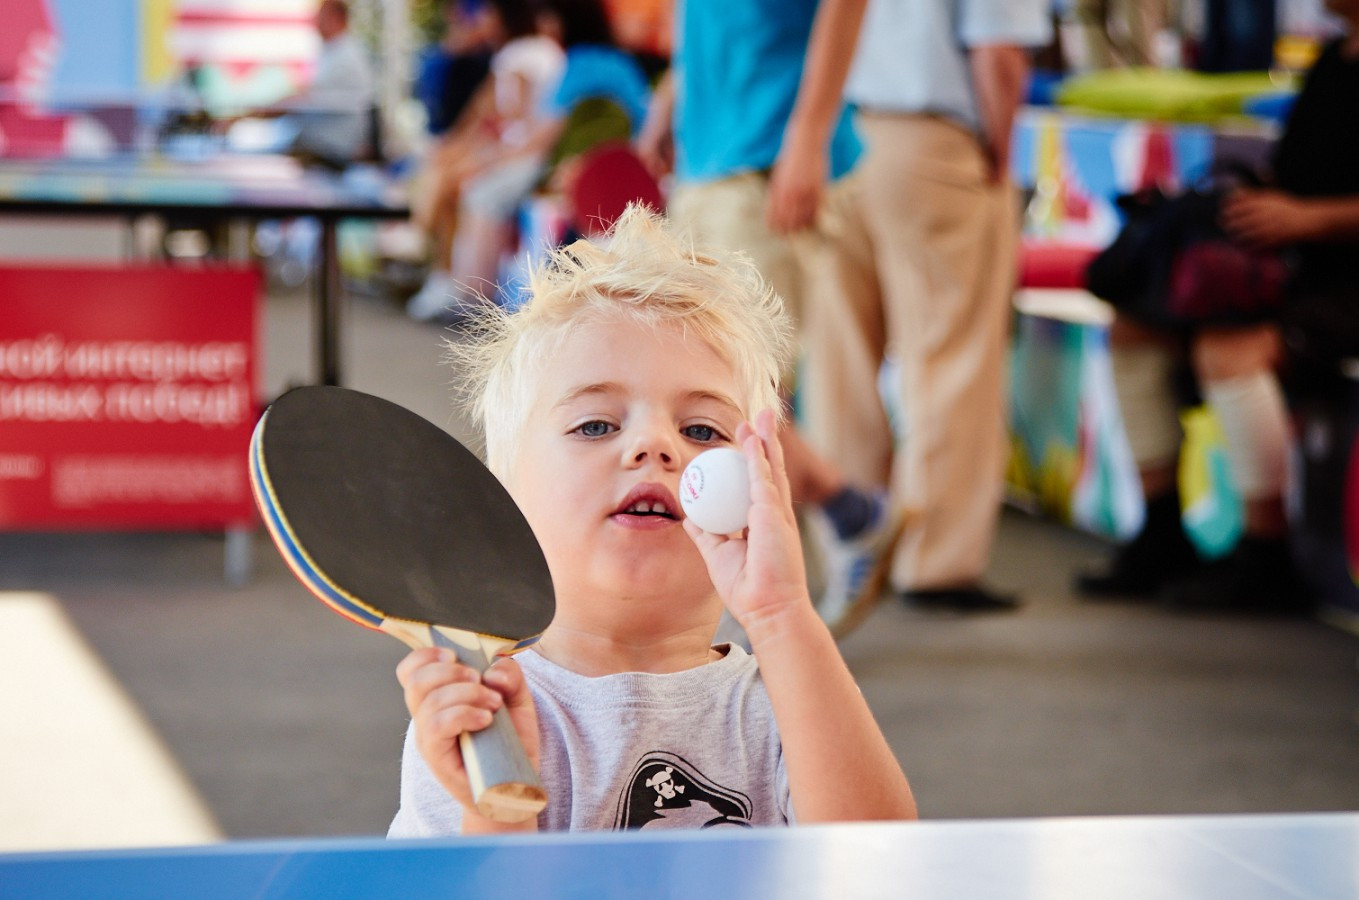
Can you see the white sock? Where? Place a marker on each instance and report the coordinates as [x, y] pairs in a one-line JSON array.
[[1147, 403], [1254, 420]]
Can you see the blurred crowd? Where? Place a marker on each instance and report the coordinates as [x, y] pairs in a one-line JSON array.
[[859, 152]]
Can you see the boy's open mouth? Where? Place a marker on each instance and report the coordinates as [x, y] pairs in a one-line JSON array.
[[649, 501], [642, 508]]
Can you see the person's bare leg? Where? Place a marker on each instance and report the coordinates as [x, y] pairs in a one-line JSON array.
[[1158, 479], [811, 477], [1144, 363], [444, 227], [1237, 371], [440, 218], [476, 253]]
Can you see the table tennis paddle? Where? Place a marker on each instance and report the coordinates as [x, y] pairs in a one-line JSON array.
[[395, 525]]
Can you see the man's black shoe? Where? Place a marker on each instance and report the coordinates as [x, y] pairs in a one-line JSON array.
[[970, 599], [1159, 554], [1258, 577]]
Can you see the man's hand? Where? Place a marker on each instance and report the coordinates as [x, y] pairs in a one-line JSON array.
[[999, 75], [655, 142], [796, 185], [1268, 218]]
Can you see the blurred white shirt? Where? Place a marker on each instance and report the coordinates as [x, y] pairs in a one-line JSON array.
[[912, 54], [333, 114]]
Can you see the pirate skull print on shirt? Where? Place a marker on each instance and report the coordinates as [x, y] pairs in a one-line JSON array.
[[666, 787]]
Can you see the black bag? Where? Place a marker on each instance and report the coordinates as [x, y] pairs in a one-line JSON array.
[[1172, 265]]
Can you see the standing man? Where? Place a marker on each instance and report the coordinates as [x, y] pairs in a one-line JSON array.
[[937, 83], [753, 111]]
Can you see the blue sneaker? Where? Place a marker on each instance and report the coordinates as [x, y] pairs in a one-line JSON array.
[[854, 570]]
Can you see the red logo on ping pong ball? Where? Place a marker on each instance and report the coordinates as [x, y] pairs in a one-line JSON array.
[[691, 484]]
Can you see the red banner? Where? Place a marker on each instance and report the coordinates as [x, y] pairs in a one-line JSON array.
[[127, 397]]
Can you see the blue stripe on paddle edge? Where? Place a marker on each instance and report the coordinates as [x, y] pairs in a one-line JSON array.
[[293, 554]]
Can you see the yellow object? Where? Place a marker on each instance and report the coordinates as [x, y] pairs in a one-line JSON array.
[[1201, 431], [1296, 52], [1213, 514], [1047, 209], [158, 65], [1170, 95]]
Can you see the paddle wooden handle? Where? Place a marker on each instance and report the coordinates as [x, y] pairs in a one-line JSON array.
[[505, 786]]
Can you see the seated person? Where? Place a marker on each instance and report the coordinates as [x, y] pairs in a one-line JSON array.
[[629, 359], [453, 70], [490, 141], [487, 191], [1314, 210], [328, 123]]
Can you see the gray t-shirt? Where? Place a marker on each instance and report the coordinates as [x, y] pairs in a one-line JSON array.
[[692, 749]]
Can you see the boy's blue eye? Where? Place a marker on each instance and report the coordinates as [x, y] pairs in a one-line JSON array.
[[595, 429], [701, 433]]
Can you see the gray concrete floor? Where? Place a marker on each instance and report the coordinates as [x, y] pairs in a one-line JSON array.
[[289, 721]]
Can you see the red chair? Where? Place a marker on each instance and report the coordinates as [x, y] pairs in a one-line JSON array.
[[609, 177]]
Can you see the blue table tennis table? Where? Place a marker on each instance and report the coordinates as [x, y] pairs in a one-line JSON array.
[[1238, 857]]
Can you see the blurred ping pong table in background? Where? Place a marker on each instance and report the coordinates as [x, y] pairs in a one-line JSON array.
[[218, 188]]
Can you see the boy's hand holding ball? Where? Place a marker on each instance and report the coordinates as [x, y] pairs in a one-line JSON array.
[[715, 491], [725, 489]]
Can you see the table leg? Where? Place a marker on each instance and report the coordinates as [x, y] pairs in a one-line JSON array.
[[328, 300], [238, 555]]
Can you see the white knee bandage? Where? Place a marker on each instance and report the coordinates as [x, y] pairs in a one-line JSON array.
[[1254, 421]]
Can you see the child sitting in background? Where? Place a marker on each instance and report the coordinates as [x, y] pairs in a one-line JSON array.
[[481, 181], [630, 359]]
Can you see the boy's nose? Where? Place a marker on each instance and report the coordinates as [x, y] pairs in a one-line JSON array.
[[660, 455], [654, 446]]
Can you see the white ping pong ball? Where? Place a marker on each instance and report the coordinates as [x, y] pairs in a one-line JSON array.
[[715, 490]]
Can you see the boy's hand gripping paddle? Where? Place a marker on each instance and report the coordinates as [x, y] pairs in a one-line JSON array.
[[398, 527]]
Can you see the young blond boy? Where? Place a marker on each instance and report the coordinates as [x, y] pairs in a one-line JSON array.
[[632, 357]]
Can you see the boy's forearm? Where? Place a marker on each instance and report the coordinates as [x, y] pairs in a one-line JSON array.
[[840, 767]]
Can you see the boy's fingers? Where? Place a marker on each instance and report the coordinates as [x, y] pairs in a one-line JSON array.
[[445, 723], [450, 696], [506, 678], [415, 660], [454, 709], [763, 484], [766, 424], [704, 540], [420, 679], [434, 675]]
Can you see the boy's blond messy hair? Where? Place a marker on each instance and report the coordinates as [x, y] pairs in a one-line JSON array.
[[643, 271]]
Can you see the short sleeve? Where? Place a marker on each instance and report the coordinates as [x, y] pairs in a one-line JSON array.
[[426, 809], [784, 791], [1025, 23]]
